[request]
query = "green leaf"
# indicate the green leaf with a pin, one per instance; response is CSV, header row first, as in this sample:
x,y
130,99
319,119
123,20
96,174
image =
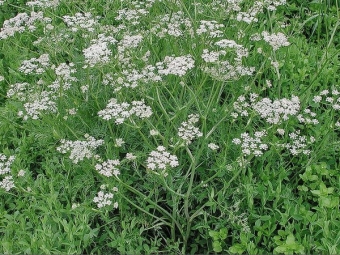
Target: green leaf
x,y
223,233
214,234
290,239
217,246
237,248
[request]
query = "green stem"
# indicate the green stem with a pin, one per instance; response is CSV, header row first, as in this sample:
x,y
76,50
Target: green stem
x,y
151,202
146,212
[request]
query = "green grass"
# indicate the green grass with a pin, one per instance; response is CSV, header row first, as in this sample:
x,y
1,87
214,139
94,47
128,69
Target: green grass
x,y
280,196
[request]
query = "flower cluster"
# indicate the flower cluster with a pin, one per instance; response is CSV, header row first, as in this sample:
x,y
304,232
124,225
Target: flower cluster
x,y
275,40
252,145
274,111
108,168
79,149
175,65
20,23
104,197
273,4
307,117
17,91
160,160
35,65
298,143
98,51
240,50
131,78
212,56
5,169
7,183
37,104
81,21
187,131
5,164
250,15
329,97
64,77
131,15
129,41
120,112
224,70
213,146
210,27
174,25
43,3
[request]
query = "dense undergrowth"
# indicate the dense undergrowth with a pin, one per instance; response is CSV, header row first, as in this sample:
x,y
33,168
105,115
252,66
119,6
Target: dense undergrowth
x,y
169,126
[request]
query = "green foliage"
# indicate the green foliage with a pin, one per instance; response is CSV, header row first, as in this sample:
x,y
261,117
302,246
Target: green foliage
x,y
280,196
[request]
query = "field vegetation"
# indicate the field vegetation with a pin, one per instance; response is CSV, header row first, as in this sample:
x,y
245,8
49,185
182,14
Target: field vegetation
x,y
169,127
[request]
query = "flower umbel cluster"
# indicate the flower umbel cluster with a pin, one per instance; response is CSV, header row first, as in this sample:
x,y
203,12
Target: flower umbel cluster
x,y
98,51
37,104
272,111
298,143
275,40
187,131
108,168
79,149
35,65
131,78
120,112
252,145
104,197
81,21
210,27
160,160
275,111
329,98
5,169
175,65
43,3
20,23
175,25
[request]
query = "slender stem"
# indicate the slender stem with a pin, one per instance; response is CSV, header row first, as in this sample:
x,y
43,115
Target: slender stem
x,y
140,208
151,202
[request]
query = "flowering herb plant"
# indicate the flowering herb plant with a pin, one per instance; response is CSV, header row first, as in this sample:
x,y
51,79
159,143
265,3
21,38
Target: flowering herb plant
x,y
169,126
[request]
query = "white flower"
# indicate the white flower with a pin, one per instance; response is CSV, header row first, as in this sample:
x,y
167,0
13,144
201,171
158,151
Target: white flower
x,y
7,183
20,23
275,40
187,131
5,164
35,65
98,52
108,168
43,3
119,142
130,156
21,173
252,145
79,149
103,199
213,146
154,132
211,27
81,21
122,111
160,159
175,65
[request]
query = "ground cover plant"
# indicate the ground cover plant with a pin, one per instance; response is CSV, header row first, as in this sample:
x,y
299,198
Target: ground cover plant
x,y
169,126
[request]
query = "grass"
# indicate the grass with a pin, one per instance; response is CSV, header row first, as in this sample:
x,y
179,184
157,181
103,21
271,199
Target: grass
x,y
230,145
